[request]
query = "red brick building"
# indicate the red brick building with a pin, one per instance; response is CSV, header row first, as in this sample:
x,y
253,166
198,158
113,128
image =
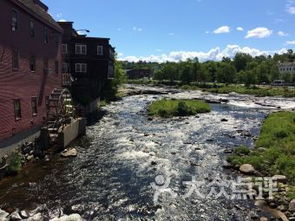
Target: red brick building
x,y
30,65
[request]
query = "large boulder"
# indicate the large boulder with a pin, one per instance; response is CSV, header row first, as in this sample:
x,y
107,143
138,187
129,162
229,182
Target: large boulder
x,y
247,169
73,217
292,206
69,152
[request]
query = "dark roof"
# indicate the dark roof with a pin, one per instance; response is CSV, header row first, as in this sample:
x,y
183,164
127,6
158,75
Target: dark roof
x,y
39,9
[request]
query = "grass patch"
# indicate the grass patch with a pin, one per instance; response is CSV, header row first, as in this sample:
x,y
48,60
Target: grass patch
x,y
169,108
274,151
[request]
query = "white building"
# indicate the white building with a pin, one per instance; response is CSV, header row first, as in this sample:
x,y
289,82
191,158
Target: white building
x,y
286,67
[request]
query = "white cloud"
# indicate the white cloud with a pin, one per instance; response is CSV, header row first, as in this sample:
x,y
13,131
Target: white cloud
x,y
222,29
240,29
215,54
62,20
282,34
290,42
291,10
137,29
290,7
260,32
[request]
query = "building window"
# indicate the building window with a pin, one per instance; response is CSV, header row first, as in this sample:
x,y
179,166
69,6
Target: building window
x,y
34,106
15,59
64,48
14,20
33,63
45,66
17,109
46,39
47,101
32,28
56,67
65,68
80,68
100,50
81,49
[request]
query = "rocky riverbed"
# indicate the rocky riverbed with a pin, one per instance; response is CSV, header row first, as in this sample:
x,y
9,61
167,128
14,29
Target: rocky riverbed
x,y
132,167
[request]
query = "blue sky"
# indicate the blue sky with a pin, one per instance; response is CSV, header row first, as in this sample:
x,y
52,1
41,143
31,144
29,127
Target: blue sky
x,y
159,30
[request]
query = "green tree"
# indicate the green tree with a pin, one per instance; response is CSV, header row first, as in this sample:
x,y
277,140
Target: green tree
x,y
226,73
241,60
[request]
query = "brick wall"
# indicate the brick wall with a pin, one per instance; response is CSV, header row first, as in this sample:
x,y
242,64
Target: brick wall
x,y
24,84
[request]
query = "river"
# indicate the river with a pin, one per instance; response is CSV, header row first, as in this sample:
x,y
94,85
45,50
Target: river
x,y
126,152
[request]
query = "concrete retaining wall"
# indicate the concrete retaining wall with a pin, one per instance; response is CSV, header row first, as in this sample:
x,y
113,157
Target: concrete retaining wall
x,y
73,130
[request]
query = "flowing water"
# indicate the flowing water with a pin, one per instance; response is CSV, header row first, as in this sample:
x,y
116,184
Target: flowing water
x,y
125,152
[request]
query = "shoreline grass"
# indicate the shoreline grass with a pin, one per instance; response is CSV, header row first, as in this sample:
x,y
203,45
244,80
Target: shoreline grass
x,y
274,151
169,108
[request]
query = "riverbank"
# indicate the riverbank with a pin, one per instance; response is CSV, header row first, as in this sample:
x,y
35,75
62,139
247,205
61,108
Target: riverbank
x,y
219,88
273,156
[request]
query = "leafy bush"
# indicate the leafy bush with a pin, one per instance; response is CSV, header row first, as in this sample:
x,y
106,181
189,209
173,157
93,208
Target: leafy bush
x,y
14,163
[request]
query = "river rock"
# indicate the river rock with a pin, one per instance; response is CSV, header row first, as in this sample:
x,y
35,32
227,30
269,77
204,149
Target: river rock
x,y
227,165
15,216
153,163
224,120
3,215
24,214
263,219
292,206
247,169
282,208
69,153
73,217
29,157
280,178
36,217
246,133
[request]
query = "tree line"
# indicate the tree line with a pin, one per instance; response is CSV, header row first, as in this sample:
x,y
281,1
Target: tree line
x,y
243,69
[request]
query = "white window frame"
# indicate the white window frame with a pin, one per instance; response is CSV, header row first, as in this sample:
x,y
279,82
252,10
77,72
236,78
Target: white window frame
x,y
81,68
14,20
81,49
64,48
100,50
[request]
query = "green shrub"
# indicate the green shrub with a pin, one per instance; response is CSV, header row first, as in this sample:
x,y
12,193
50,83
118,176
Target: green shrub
x,y
14,163
169,108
